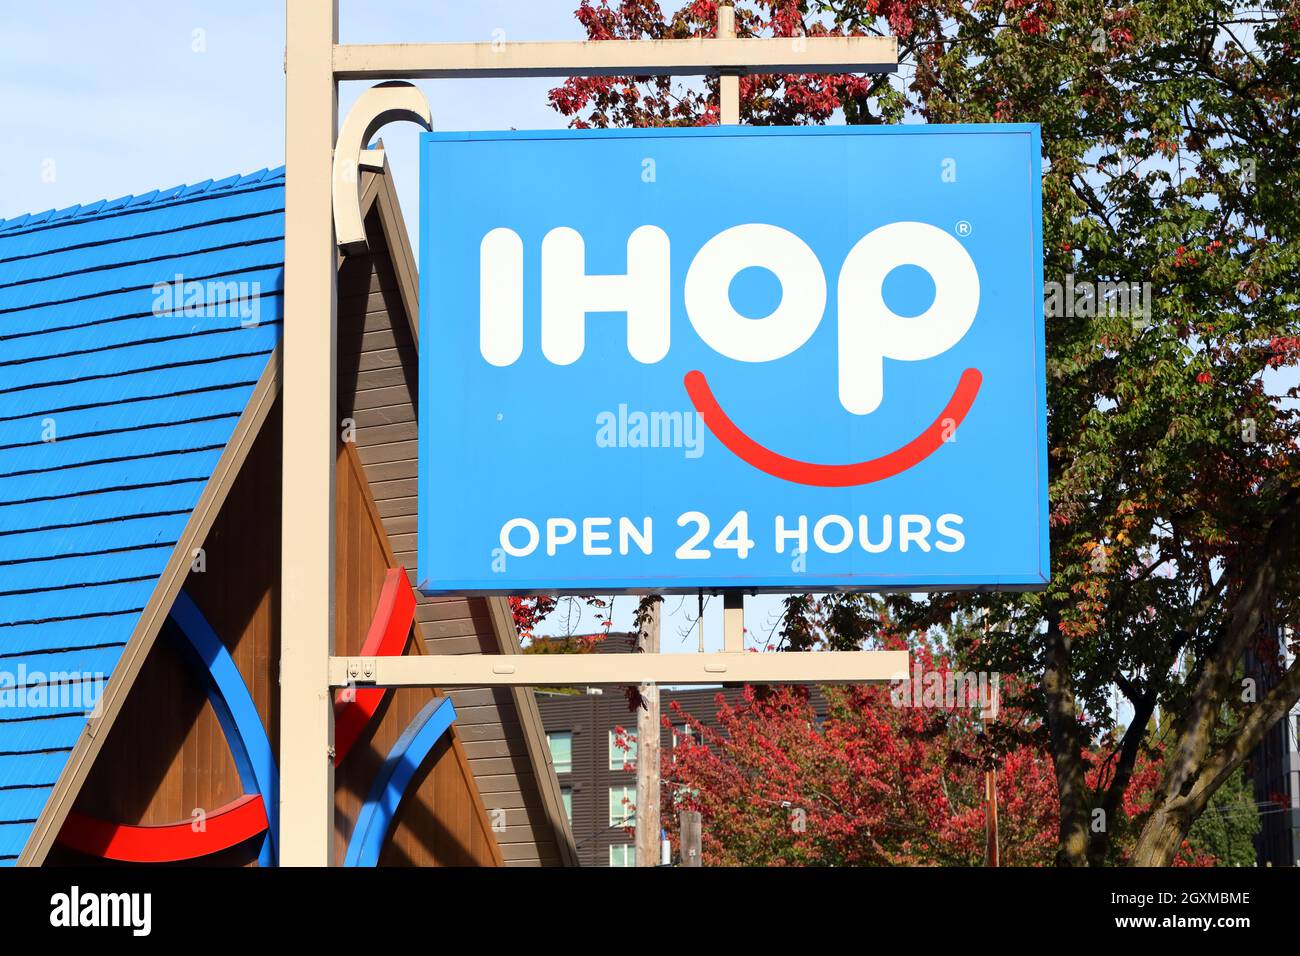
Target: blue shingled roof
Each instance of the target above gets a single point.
(132, 334)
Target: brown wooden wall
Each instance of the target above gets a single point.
(484, 767)
(378, 389)
(167, 755)
(442, 822)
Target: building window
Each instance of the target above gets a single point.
(619, 758)
(561, 743)
(622, 855)
(566, 794)
(622, 806)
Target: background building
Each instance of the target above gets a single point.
(1274, 766)
(585, 727)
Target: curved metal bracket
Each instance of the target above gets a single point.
(378, 106)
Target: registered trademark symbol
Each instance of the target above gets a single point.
(963, 228)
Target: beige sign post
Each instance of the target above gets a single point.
(647, 747)
(321, 166)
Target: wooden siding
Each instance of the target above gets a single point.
(442, 821)
(378, 389)
(115, 421)
(167, 754)
(238, 591)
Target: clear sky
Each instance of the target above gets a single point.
(100, 99)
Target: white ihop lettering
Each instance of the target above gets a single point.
(869, 331)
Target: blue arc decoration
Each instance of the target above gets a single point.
(394, 776)
(249, 745)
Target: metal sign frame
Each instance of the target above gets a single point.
(320, 197)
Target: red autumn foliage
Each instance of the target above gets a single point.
(528, 612)
(874, 783)
(605, 101)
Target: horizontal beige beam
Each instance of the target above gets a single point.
(697, 57)
(566, 670)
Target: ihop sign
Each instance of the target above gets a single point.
(765, 358)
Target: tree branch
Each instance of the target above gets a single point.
(1249, 733)
(1254, 596)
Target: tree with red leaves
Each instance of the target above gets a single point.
(529, 612)
(1168, 131)
(877, 780)
(659, 101)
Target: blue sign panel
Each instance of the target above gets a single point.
(759, 358)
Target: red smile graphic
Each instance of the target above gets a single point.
(833, 476)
